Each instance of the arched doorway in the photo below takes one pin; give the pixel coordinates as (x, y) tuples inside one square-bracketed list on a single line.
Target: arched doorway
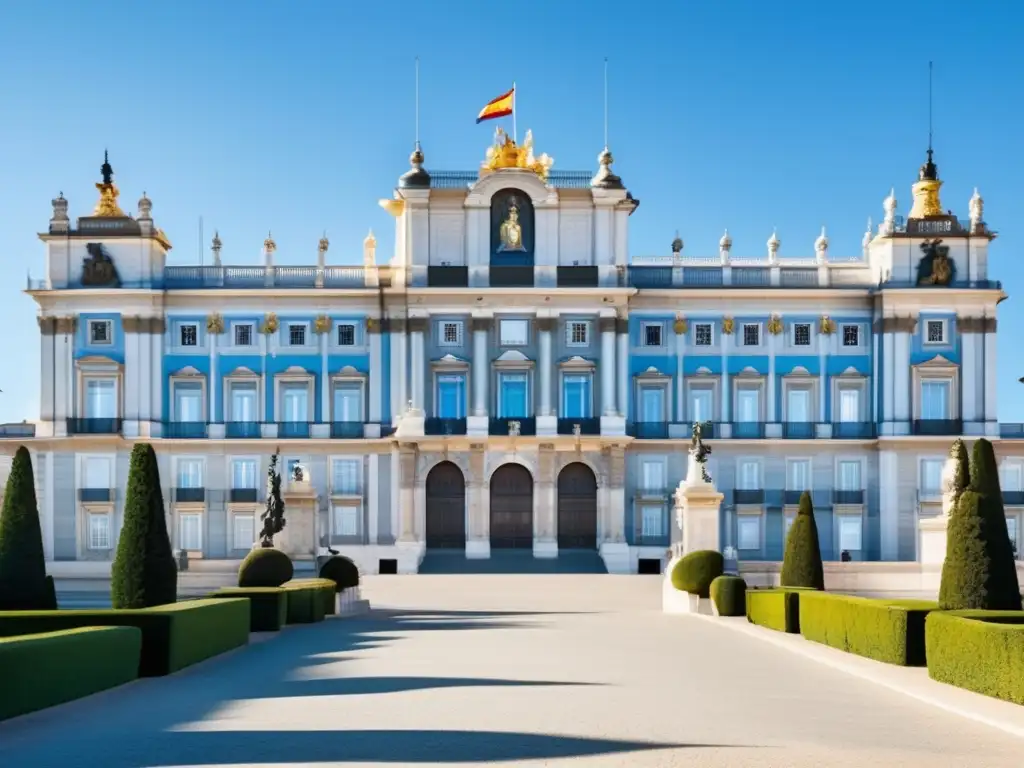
[(446, 507), (577, 507), (511, 508)]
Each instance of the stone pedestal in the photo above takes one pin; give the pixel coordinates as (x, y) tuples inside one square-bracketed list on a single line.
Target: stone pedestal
[(411, 423), (931, 540), (696, 508), (298, 539)]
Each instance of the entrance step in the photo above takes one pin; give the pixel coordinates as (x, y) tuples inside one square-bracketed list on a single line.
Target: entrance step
[(439, 561)]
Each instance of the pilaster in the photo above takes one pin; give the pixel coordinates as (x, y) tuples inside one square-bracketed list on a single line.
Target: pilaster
[(477, 423), (372, 497), (991, 414), (47, 374), (771, 410), (547, 420), (417, 328), (376, 369), (478, 542), (622, 364), (888, 507), (407, 455), (399, 368), (545, 535), (607, 325)]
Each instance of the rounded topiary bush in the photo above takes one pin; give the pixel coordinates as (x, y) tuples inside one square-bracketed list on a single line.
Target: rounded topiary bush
[(265, 567), (341, 571), (729, 594), (695, 571)]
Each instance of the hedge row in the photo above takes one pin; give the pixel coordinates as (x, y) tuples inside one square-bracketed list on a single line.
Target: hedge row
[(268, 606), (885, 630), (326, 589), (777, 609), (173, 636), (982, 651), (52, 668), (302, 601)]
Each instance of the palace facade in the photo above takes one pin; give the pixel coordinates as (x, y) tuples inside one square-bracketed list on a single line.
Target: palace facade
[(512, 378)]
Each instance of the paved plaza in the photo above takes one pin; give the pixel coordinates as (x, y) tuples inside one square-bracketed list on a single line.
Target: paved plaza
[(456, 670)]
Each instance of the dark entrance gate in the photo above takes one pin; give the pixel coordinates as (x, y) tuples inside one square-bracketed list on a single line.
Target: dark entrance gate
[(577, 507), (446, 507), (511, 508)]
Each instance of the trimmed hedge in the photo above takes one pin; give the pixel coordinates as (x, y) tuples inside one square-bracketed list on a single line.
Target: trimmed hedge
[(52, 668), (884, 630), (265, 567), (695, 572), (268, 606), (327, 589), (22, 562), (305, 603), (729, 594), (982, 651), (801, 559), (341, 571), (777, 609), (174, 636)]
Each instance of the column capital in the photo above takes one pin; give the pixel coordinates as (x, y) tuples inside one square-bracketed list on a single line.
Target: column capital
[(608, 324), (481, 323), (47, 325), (622, 325), (66, 324), (393, 324), (545, 324), (418, 324), (892, 324)]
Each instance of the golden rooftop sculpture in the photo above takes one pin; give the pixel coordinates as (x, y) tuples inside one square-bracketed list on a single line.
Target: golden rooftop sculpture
[(107, 205), (505, 153)]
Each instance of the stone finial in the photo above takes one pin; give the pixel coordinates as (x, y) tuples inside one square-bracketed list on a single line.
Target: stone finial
[(269, 246), (677, 244), (370, 250), (145, 208), (869, 235), (215, 246), (773, 247), (889, 206), (605, 178), (59, 222), (976, 206), (724, 246), (821, 246), (321, 250)]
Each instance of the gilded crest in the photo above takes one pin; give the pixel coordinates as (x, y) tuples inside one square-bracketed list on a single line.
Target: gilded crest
[(826, 325), (215, 323), (98, 270), (372, 325), (728, 325), (680, 325), (775, 325), (322, 324), (269, 324), (935, 267)]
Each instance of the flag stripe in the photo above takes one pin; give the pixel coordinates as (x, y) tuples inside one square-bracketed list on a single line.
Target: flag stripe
[(499, 107)]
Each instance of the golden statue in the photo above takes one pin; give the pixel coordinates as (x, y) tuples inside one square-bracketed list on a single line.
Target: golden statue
[(107, 205), (505, 153), (511, 231)]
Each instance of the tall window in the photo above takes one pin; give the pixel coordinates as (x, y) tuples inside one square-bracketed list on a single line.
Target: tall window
[(701, 404), (243, 402), (850, 529), (451, 396), (652, 404), (345, 476), (514, 395), (748, 532), (190, 531), (99, 531), (348, 402), (798, 405), (295, 403), (652, 521), (345, 520), (749, 475), (1010, 477), (748, 401), (849, 404), (576, 394), (931, 476), (190, 473), (798, 475), (935, 399), (243, 473), (188, 401), (849, 476), (243, 530), (100, 399), (653, 476)]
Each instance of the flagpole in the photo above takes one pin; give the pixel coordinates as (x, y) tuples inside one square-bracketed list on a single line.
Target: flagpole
[(515, 136)]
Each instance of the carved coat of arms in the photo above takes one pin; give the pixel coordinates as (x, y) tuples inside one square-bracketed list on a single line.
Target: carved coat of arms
[(935, 267), (98, 268)]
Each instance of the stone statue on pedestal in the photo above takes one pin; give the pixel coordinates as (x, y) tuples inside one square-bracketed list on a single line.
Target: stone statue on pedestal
[(697, 469)]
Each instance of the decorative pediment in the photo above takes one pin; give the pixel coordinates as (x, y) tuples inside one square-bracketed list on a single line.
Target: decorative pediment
[(851, 372), (187, 371), (97, 361), (349, 372), (513, 358), (799, 370), (937, 362), (703, 371), (294, 370), (450, 363), (241, 372), (577, 362), (749, 371), (652, 373)]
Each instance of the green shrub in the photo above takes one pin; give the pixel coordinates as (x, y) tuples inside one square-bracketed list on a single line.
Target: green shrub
[(51, 595), (777, 609), (341, 571), (326, 589), (1003, 587), (982, 651), (265, 567), (144, 573), (174, 636), (22, 562), (729, 594), (268, 606), (884, 630), (305, 603), (52, 668), (695, 572), (801, 560)]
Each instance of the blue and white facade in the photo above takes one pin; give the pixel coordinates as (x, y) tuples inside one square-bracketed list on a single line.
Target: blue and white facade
[(494, 384)]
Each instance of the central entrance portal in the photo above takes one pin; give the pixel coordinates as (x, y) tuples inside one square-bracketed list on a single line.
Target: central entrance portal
[(511, 508), (577, 507)]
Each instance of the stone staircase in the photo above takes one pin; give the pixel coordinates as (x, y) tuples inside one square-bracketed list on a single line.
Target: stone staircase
[(442, 561)]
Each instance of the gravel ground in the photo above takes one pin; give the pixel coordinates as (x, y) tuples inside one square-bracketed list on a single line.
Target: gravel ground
[(545, 670)]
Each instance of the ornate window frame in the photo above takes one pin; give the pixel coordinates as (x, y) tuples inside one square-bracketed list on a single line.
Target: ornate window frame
[(344, 376), (103, 368), (243, 375), (188, 375), (938, 368), (294, 374)]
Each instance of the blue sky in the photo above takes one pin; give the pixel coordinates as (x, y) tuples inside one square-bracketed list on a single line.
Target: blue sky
[(297, 117)]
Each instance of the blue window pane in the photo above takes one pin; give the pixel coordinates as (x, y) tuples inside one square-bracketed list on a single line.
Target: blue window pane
[(513, 396), (576, 396), (652, 404), (450, 397)]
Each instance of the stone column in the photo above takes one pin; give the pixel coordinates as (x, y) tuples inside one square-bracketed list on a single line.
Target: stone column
[(622, 361), (211, 384), (970, 329), (680, 411), (376, 379), (614, 549), (478, 543), (372, 497), (888, 356), (326, 406), (888, 507), (726, 393), (47, 377), (399, 368), (991, 414), (545, 535), (608, 366), (904, 326), (417, 327), (481, 365), (407, 486), (770, 410), (544, 327)]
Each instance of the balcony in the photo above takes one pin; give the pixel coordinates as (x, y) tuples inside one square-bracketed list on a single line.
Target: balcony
[(502, 426), (853, 430), (748, 496), (23, 429), (748, 430), (243, 495), (1013, 498), (848, 497), (189, 495), (648, 430), (447, 277), (945, 427), (1011, 431), (343, 430), (192, 277), (798, 430), (176, 430), (91, 426), (293, 430), (510, 277), (242, 430), (577, 277), (439, 425), (791, 498), (95, 494), (589, 425)]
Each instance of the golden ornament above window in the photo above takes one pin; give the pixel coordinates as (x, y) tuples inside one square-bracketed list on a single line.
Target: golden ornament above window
[(269, 324), (215, 323), (728, 325), (372, 325), (775, 325), (322, 324), (680, 326), (827, 325)]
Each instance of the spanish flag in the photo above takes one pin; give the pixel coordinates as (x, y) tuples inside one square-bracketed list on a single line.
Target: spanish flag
[(499, 107)]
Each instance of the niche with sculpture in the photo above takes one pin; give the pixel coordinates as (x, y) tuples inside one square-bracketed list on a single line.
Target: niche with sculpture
[(512, 228)]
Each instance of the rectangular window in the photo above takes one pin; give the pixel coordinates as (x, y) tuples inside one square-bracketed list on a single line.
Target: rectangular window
[(652, 521), (1010, 477), (749, 475), (296, 335), (243, 473), (849, 533), (451, 396), (798, 405), (348, 402), (243, 531), (931, 476), (935, 399), (99, 531), (851, 336), (97, 472), (802, 335), (849, 476), (576, 396), (748, 532), (748, 405), (188, 401), (243, 402), (190, 532), (751, 334), (653, 476), (190, 473), (346, 335), (100, 399), (798, 475), (295, 403), (849, 405), (650, 334), (514, 333), (936, 332), (345, 521), (101, 332), (702, 335), (1011, 528), (449, 333), (577, 333), (188, 335), (701, 404), (345, 476), (243, 334), (514, 395), (652, 404), (787, 523)]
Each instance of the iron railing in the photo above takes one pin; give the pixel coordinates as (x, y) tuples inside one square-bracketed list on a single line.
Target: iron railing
[(245, 430), (243, 495), (95, 494), (90, 426), (184, 429), (347, 430), (949, 427), (439, 425), (194, 495), (648, 430), (798, 430), (577, 277), (853, 430), (848, 497), (293, 430), (748, 496), (558, 179), (589, 425), (748, 430), (447, 277)]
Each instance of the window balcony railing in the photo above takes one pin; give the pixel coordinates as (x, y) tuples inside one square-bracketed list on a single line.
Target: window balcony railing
[(503, 425), (651, 526), (1011, 431), (709, 430), (441, 425), (510, 277), (184, 429), (90, 426), (748, 496), (748, 430), (648, 430), (577, 277), (949, 427), (791, 497), (853, 430), (345, 430), (243, 495), (193, 495), (293, 430), (848, 497), (447, 277), (245, 430), (1014, 498), (589, 425), (18, 430), (798, 430), (95, 494)]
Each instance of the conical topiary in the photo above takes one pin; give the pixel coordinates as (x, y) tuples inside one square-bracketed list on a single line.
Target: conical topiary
[(23, 584), (1003, 588), (963, 569), (801, 561), (144, 573)]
